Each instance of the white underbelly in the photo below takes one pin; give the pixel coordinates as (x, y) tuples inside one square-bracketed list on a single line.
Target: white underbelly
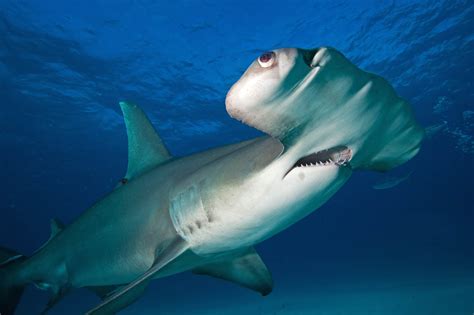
[(220, 218)]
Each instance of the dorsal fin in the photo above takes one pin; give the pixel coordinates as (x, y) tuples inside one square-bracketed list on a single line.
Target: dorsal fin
[(145, 148), (56, 227), (247, 270)]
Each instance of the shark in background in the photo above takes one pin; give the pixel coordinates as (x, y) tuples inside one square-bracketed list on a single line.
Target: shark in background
[(324, 118)]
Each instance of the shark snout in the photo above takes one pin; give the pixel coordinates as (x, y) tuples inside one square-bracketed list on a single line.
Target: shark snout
[(274, 94)]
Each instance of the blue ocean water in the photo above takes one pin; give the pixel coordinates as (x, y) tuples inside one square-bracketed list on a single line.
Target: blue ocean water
[(65, 65)]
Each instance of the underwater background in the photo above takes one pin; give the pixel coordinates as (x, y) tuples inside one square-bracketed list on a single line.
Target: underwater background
[(395, 243)]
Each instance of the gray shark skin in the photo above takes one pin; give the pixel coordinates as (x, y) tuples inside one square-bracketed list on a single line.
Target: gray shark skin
[(324, 118)]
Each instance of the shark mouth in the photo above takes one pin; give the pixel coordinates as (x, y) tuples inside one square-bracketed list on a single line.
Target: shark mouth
[(337, 156)]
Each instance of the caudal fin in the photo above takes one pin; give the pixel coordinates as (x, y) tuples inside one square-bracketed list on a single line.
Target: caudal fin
[(10, 291)]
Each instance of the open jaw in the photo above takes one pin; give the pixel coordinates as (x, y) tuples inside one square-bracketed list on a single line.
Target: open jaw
[(335, 156)]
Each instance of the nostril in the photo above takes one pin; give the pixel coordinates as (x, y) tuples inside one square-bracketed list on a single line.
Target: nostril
[(308, 56)]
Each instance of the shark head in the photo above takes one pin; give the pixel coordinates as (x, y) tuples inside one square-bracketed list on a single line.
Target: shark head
[(325, 117), (325, 110)]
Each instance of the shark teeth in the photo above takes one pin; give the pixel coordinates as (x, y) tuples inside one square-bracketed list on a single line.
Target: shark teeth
[(336, 156)]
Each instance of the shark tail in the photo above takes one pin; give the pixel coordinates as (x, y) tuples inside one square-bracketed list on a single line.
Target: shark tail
[(10, 290)]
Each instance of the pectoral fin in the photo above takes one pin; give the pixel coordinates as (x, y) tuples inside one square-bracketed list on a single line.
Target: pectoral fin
[(170, 253), (57, 294), (247, 270), (103, 291), (121, 302)]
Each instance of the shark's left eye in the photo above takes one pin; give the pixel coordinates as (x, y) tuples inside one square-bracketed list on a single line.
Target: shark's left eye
[(266, 59)]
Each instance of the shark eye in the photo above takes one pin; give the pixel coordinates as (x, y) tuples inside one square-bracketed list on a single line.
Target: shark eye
[(266, 59)]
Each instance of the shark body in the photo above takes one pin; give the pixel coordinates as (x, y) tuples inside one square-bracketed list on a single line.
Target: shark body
[(324, 118)]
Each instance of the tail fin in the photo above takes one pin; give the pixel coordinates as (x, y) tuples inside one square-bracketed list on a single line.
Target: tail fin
[(10, 292)]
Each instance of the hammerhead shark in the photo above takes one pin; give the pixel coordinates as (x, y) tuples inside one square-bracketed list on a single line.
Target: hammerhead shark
[(323, 118)]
